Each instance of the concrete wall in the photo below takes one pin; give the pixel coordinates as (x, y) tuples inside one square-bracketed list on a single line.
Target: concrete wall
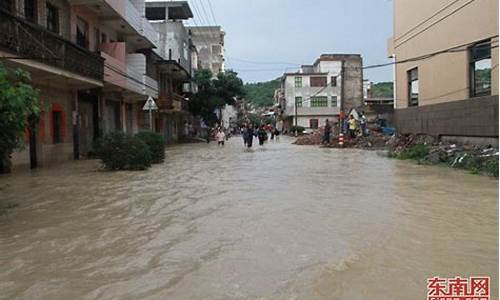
[(49, 152), (174, 37), (477, 117), (353, 82), (304, 121), (445, 77), (205, 38)]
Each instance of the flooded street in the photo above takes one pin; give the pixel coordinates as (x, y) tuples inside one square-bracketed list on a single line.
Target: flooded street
[(279, 222)]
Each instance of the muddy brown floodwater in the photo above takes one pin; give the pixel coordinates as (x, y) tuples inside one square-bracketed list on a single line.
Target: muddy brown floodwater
[(279, 222)]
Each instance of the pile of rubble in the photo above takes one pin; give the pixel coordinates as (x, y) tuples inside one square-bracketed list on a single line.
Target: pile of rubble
[(310, 139), (475, 158), (422, 148), (374, 141)]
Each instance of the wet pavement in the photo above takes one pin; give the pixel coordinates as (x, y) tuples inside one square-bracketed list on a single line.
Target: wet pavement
[(278, 222)]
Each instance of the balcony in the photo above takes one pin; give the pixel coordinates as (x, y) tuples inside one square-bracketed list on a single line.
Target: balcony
[(150, 33), (118, 70), (123, 16), (127, 71), (174, 104), (151, 87), (31, 41)]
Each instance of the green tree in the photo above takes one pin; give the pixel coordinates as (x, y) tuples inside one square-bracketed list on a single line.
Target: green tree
[(19, 109), (262, 93), (214, 93), (382, 90)]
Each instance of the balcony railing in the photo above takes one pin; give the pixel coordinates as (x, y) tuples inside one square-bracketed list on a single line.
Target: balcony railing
[(176, 103), (30, 41)]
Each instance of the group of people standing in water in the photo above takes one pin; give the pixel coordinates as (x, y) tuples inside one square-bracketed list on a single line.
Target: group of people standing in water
[(248, 132)]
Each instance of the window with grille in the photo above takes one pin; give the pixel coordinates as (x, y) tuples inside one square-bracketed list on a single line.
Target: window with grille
[(82, 33), (298, 101), (298, 82), (318, 81), (7, 5), (319, 101), (334, 101), (52, 13), (30, 10)]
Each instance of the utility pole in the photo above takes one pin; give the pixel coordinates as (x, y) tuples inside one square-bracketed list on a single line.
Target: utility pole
[(296, 117), (342, 114)]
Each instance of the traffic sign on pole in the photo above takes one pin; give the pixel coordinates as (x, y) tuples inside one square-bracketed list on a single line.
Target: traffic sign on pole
[(150, 106)]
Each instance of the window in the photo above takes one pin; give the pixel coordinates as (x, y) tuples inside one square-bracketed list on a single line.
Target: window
[(52, 18), (313, 123), (413, 87), (334, 81), (298, 101), (8, 5), (57, 126), (319, 101), (30, 10), (82, 33), (216, 49), (480, 69), (104, 38), (334, 101), (97, 39), (298, 82), (185, 50), (318, 81)]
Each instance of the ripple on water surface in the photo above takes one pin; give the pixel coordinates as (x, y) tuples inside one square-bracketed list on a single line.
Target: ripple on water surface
[(278, 222)]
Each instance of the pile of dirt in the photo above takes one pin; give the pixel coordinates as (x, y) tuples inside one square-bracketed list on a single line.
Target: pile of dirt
[(310, 139)]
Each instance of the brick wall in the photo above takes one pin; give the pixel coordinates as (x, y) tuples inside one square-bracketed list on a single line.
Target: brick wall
[(475, 117)]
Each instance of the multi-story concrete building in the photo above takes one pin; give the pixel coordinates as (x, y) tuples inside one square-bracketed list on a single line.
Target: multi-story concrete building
[(179, 61), (446, 76), (318, 92), (89, 61), (209, 41)]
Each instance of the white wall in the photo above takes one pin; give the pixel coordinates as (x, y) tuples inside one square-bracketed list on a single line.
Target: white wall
[(304, 121), (307, 91)]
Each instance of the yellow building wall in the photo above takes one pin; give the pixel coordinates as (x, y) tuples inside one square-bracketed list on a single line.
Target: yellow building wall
[(445, 77)]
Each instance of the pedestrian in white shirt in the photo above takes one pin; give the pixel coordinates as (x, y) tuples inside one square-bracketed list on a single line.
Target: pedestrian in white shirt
[(221, 137)]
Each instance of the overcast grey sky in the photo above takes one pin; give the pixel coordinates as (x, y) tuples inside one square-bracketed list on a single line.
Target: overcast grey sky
[(272, 32)]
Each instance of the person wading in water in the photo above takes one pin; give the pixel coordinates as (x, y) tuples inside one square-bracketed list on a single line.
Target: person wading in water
[(249, 136), (262, 135)]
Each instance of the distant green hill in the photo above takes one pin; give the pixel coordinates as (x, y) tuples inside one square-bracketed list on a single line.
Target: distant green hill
[(382, 90), (262, 93)]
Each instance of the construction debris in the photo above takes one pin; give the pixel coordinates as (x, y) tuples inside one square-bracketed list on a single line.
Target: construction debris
[(424, 149)]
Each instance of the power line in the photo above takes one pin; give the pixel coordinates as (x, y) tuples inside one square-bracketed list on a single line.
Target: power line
[(196, 23), (262, 62), (454, 49), (424, 21), (212, 11), (434, 23), (205, 12), (118, 71)]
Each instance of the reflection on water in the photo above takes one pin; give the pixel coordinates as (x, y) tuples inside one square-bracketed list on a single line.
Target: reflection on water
[(280, 222)]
